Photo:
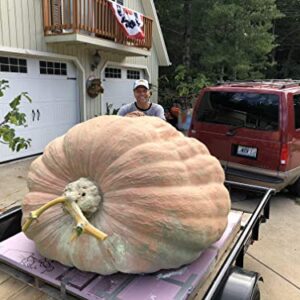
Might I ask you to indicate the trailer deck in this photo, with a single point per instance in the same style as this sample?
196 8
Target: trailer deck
18 256
20 260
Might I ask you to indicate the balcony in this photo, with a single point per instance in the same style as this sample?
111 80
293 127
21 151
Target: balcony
91 22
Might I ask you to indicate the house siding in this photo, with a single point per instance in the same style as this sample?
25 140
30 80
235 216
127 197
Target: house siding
21 26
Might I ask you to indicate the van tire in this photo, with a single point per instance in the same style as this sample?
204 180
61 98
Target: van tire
295 188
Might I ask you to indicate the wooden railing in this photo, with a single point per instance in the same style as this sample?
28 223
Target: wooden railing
92 17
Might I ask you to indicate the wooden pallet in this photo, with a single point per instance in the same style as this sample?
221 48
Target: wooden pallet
13 288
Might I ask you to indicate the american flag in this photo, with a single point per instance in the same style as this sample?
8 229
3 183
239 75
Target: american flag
130 20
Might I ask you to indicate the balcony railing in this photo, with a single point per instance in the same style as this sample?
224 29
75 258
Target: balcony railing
91 17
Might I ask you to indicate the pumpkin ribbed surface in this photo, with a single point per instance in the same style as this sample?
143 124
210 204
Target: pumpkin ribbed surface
162 196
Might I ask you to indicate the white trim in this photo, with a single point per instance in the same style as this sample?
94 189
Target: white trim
126 65
101 43
158 39
55 55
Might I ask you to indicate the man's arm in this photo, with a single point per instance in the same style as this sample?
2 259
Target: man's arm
123 111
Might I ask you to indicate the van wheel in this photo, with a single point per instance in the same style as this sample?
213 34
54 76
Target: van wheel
295 188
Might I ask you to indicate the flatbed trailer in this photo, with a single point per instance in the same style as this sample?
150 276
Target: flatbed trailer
217 274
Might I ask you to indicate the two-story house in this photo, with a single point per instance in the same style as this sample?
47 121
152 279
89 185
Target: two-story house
52 49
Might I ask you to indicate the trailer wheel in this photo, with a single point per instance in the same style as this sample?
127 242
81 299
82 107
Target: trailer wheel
240 285
256 292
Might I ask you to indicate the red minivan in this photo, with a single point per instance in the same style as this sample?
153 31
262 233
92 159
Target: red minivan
253 128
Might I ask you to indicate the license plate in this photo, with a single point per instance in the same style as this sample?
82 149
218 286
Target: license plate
246 151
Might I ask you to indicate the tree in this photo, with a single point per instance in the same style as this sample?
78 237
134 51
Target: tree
216 36
172 22
187 33
184 88
216 40
182 80
13 118
238 38
287 32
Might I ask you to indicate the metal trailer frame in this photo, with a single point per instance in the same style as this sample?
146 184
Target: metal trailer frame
232 282
234 262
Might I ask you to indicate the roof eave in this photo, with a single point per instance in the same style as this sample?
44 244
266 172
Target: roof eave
158 39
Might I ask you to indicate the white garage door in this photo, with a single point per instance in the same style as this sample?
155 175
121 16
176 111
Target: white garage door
118 84
52 86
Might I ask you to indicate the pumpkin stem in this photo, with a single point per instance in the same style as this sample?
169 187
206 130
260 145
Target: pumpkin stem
36 213
82 224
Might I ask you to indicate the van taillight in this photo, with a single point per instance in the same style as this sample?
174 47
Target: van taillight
284 154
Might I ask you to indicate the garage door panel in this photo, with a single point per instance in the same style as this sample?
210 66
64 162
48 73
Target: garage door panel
7 154
62 112
15 88
39 139
42 136
118 91
54 90
23 108
42 90
54 108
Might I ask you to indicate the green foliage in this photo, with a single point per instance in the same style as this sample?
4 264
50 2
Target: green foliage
172 23
230 40
238 38
13 119
187 83
287 31
183 88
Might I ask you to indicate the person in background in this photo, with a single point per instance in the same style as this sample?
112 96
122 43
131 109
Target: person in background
143 104
172 115
175 112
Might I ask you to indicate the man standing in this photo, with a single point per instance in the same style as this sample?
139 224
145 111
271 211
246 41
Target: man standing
142 95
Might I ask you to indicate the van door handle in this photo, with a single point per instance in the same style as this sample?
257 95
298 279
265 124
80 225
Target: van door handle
38 114
33 114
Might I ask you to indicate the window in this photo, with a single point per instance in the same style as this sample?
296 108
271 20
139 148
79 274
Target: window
297 111
119 1
112 73
131 74
15 65
240 109
53 68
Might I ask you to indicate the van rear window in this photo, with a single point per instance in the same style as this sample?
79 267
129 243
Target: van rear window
250 110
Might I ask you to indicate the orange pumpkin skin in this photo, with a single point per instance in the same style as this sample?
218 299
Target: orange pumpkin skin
162 196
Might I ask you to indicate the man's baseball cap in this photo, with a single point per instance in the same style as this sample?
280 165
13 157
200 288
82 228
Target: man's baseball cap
141 82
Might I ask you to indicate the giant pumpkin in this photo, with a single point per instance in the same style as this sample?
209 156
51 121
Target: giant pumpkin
134 194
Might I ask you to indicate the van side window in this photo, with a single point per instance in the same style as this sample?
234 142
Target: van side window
297 111
242 109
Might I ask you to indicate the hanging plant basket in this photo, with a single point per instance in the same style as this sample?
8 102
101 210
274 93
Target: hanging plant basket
94 87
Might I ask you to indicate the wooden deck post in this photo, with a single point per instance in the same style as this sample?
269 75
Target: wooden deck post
46 17
75 16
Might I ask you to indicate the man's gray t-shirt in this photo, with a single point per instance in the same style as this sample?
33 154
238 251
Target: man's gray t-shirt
154 110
